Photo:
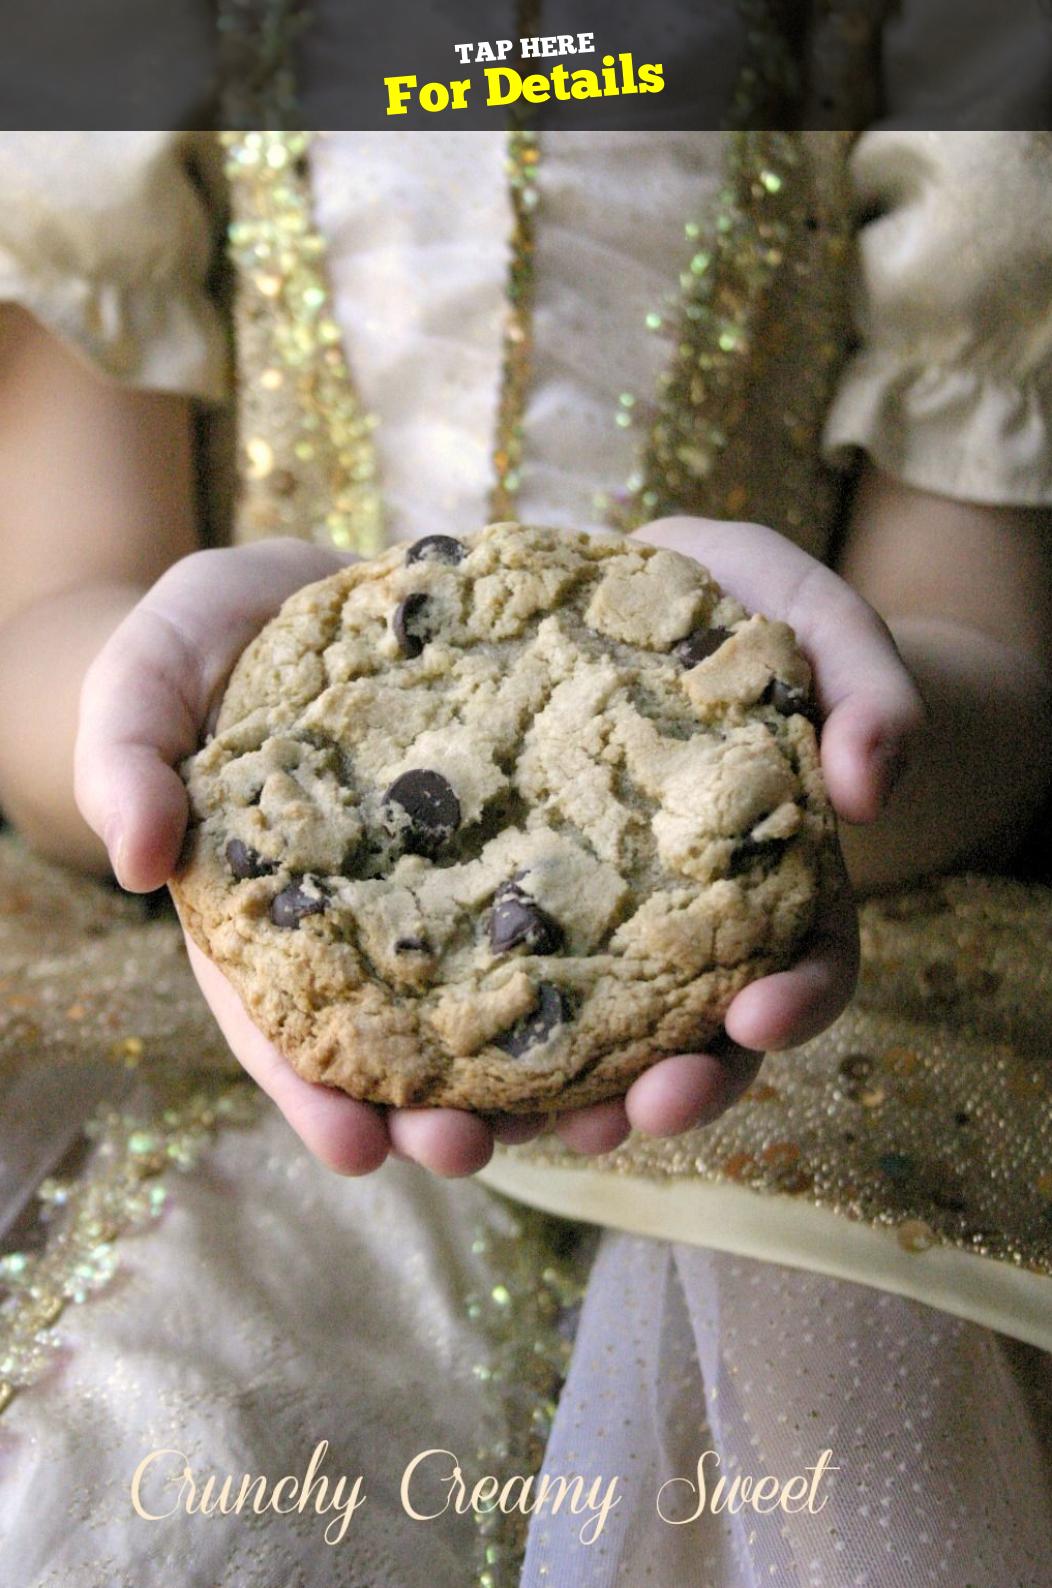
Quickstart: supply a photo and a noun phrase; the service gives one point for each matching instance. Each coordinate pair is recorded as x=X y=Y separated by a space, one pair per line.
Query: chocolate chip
x=429 y=811
x=702 y=643
x=750 y=850
x=410 y=623
x=290 y=906
x=244 y=862
x=437 y=548
x=789 y=702
x=411 y=945
x=516 y=918
x=552 y=1009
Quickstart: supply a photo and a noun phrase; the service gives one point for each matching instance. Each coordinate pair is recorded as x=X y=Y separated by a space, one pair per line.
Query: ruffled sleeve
x=950 y=389
x=108 y=238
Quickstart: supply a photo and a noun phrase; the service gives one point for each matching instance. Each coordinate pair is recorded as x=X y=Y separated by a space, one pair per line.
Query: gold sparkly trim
x=522 y=166
x=120 y=1190
x=703 y=392
x=306 y=461
x=527 y=1318
x=765 y=271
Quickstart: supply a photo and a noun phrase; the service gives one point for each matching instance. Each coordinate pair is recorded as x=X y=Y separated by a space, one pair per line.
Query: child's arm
x=967 y=593
x=96 y=501
x=948 y=393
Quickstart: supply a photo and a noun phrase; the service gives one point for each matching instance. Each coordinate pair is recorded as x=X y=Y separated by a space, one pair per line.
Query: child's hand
x=872 y=711
x=146 y=702
x=148 y=697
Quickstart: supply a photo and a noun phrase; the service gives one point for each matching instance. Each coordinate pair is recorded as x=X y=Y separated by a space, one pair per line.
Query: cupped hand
x=147 y=701
x=151 y=693
x=872 y=714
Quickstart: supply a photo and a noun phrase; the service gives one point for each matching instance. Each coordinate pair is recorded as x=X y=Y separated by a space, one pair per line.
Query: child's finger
x=792 y=1006
x=448 y=1141
x=512 y=1129
x=145 y=805
x=133 y=724
x=596 y=1129
x=689 y=1089
x=866 y=746
x=872 y=706
x=345 y=1135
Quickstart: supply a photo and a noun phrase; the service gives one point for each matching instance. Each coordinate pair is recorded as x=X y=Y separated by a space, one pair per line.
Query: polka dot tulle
x=939 y=1433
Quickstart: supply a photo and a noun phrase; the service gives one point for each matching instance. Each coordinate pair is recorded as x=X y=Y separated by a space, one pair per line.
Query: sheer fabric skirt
x=939 y=1434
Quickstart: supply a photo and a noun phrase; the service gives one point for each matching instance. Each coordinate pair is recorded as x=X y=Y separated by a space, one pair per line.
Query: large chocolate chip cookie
x=496 y=822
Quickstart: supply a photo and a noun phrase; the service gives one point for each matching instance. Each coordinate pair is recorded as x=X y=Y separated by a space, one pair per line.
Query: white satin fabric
x=274 y=1305
x=952 y=387
x=417 y=226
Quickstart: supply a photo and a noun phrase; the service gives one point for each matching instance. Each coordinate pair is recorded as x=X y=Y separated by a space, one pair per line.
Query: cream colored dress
x=757 y=1310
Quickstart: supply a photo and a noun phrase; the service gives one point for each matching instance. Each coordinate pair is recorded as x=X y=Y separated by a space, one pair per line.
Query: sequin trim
x=522 y=168
x=780 y=232
x=307 y=464
x=120 y=1191
x=528 y=1318
x=715 y=326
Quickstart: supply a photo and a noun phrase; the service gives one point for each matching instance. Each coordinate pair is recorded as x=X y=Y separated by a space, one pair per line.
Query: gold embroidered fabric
x=763 y=292
x=924 y=1111
x=305 y=457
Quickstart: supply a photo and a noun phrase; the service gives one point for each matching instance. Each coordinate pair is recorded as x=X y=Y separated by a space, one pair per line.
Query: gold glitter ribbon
x=90 y=984
x=307 y=465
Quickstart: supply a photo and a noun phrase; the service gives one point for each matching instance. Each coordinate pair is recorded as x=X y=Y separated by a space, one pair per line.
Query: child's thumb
x=132 y=727
x=137 y=804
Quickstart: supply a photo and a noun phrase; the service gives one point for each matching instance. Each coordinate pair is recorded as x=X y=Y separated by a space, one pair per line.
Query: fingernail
x=114 y=841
